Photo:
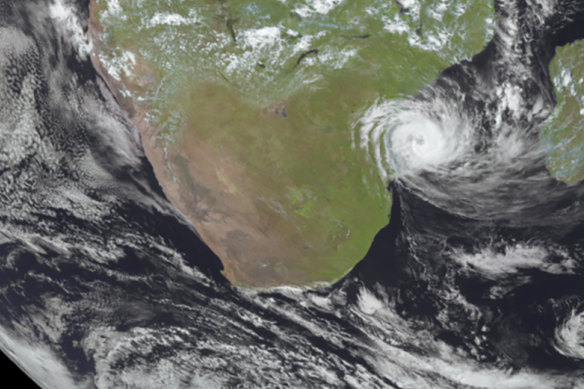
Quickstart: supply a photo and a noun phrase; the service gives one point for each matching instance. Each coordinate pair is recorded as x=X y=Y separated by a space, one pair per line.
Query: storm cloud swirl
x=477 y=281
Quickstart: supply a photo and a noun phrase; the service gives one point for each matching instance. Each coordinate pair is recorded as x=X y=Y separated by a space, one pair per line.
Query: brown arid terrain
x=245 y=234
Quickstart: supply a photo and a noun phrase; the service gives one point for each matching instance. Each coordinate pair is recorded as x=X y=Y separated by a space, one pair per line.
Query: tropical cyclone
x=104 y=284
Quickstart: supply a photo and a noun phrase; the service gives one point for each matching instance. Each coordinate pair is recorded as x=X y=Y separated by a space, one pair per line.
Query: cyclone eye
x=418 y=142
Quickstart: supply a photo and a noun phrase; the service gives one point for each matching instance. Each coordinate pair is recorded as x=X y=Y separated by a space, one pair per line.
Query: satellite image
x=292 y=193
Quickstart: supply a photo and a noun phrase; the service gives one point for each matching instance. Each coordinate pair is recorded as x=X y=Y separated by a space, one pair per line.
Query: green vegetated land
x=280 y=86
x=563 y=136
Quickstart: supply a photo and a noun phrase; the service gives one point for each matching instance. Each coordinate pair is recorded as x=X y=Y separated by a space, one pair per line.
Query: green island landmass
x=562 y=136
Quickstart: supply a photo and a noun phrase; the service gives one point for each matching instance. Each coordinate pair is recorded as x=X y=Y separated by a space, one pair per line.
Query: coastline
x=148 y=136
